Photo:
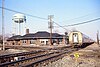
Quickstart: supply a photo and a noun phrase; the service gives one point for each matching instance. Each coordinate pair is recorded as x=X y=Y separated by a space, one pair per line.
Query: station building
x=39 y=38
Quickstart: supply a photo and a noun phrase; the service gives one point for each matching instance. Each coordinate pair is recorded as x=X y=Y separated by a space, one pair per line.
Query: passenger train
x=77 y=38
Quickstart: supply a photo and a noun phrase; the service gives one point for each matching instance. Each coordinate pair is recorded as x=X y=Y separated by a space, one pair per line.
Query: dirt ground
x=11 y=51
x=87 y=57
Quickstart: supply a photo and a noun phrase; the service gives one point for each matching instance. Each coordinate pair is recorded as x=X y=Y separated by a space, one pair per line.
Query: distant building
x=39 y=38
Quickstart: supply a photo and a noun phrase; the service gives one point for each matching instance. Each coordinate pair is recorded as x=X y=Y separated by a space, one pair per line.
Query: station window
x=32 y=42
x=24 y=41
x=42 y=41
x=13 y=43
x=60 y=40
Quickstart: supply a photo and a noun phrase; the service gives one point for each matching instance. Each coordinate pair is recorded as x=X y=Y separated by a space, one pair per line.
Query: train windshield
x=75 y=38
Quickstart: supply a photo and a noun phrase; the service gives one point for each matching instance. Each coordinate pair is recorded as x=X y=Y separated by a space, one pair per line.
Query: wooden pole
x=51 y=27
x=98 y=37
x=3 y=32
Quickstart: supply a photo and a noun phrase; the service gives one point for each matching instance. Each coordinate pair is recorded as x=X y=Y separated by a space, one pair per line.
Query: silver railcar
x=77 y=38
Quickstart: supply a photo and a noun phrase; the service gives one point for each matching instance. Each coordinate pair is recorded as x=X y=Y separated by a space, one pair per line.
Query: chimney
x=27 y=31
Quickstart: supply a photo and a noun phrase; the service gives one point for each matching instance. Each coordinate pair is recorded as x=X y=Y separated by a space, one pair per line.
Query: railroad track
x=42 y=59
x=20 y=62
x=22 y=47
x=9 y=57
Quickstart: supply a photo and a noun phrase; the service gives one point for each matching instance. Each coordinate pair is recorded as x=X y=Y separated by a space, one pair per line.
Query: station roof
x=16 y=37
x=40 y=34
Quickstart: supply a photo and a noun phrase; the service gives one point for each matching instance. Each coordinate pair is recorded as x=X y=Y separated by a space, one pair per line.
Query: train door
x=75 y=38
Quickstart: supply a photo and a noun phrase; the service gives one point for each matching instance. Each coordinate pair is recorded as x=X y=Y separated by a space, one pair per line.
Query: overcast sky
x=65 y=12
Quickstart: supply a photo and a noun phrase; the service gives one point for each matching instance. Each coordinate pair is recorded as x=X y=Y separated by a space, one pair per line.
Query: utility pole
x=50 y=17
x=98 y=37
x=3 y=32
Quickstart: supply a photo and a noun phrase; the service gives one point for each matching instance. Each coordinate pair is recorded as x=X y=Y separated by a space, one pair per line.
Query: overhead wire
x=76 y=24
x=82 y=16
x=31 y=16
x=82 y=22
x=47 y=19
x=24 y=13
x=60 y=25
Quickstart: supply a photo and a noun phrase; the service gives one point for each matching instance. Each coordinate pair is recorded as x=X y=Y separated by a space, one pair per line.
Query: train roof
x=82 y=34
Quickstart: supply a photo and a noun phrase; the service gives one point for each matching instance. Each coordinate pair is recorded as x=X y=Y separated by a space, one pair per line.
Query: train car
x=77 y=38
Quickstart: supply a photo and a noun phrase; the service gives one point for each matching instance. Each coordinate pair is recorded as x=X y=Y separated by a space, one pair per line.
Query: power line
x=82 y=16
x=24 y=13
x=60 y=26
x=31 y=16
x=82 y=22
x=47 y=19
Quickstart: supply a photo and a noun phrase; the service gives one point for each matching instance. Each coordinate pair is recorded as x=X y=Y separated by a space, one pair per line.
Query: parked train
x=77 y=38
